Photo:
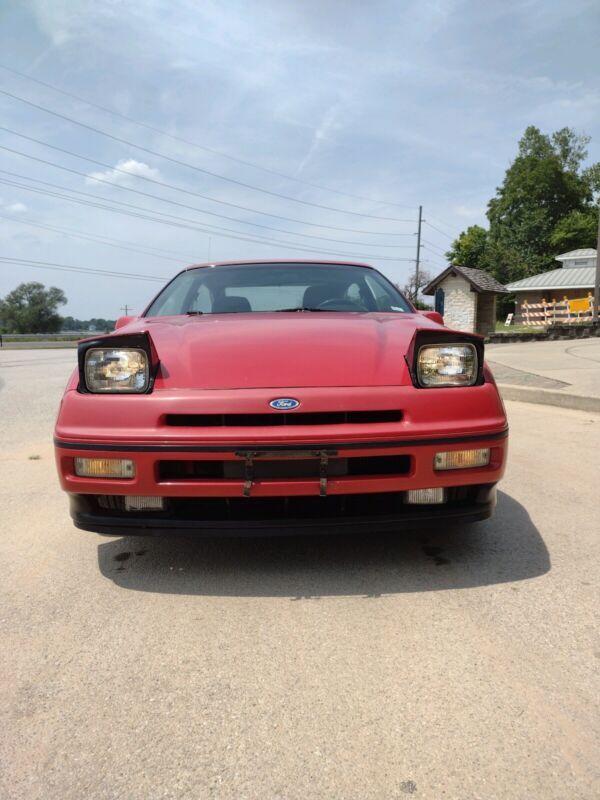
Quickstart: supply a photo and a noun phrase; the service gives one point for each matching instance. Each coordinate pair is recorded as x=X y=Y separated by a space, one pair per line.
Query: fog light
x=144 y=503
x=462 y=459
x=104 y=468
x=429 y=497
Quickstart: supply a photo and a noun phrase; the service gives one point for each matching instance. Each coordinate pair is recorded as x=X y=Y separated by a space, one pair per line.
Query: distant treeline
x=94 y=324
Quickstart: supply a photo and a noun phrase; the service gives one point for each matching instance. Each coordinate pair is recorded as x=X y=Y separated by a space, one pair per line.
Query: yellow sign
x=579 y=305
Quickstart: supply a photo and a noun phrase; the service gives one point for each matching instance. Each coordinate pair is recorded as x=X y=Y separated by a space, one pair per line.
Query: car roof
x=274 y=261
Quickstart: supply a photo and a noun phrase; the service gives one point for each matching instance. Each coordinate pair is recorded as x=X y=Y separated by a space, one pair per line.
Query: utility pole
x=597 y=281
x=125 y=308
x=418 y=261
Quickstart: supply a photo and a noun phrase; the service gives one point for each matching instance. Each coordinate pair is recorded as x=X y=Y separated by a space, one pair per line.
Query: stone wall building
x=466 y=298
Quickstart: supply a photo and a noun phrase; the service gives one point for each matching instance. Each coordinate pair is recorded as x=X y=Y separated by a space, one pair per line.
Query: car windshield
x=230 y=289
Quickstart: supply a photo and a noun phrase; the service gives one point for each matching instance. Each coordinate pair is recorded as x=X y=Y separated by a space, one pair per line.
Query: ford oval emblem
x=284 y=403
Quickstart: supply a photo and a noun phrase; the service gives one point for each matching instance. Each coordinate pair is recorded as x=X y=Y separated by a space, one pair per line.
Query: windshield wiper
x=300 y=308
x=194 y=313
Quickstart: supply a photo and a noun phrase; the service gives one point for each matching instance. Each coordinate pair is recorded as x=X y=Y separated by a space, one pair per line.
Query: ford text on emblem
x=284 y=403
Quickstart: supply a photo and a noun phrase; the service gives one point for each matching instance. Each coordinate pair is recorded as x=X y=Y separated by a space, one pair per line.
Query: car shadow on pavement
x=504 y=549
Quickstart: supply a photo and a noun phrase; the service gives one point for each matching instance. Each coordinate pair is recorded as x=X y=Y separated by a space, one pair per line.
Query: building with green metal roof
x=573 y=280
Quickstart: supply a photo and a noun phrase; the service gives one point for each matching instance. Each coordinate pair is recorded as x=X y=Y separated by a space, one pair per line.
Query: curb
x=551 y=334
x=547 y=397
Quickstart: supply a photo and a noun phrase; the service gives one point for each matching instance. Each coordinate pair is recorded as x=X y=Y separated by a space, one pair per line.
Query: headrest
x=229 y=305
x=319 y=293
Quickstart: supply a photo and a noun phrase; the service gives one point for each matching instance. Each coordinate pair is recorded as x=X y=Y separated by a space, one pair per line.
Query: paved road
x=460 y=664
x=572 y=366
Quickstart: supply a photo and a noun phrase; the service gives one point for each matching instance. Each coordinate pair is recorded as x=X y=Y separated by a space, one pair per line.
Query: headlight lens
x=447 y=365
x=116 y=370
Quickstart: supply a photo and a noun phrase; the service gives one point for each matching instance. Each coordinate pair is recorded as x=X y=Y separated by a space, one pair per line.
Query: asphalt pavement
x=460 y=663
x=564 y=373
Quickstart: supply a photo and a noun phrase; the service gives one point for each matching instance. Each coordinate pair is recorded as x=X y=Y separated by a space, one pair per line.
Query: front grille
x=246 y=509
x=278 y=469
x=276 y=419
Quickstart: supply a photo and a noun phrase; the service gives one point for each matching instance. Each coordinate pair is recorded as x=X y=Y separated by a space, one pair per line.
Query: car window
x=267 y=298
x=386 y=299
x=275 y=287
x=202 y=300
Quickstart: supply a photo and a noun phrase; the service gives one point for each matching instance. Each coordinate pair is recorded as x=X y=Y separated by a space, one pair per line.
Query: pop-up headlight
x=117 y=364
x=445 y=358
x=447 y=365
x=116 y=370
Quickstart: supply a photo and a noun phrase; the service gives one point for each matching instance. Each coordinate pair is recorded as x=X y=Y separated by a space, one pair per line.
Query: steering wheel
x=340 y=304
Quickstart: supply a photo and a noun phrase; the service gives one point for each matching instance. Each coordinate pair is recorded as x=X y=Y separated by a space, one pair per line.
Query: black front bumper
x=351 y=514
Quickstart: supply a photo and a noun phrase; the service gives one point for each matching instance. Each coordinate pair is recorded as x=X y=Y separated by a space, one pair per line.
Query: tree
x=412 y=287
x=73 y=324
x=542 y=185
x=101 y=324
x=94 y=324
x=469 y=250
x=544 y=206
x=31 y=308
x=570 y=147
x=592 y=176
x=577 y=229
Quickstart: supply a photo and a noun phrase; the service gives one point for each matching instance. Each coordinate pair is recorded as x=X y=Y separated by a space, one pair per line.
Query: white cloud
x=122 y=170
x=63 y=21
x=16 y=208
x=328 y=123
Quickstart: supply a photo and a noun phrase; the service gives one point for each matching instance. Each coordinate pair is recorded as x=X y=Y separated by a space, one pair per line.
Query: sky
x=171 y=132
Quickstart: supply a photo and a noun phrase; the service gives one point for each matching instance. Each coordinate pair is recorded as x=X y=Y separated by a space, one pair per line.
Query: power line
x=436 y=259
x=189 y=224
x=195 y=227
x=196 y=145
x=175 y=188
x=87 y=270
x=212 y=227
x=170 y=219
x=440 y=222
x=433 y=247
x=94 y=271
x=452 y=238
x=434 y=263
x=118 y=243
x=193 y=166
x=156 y=197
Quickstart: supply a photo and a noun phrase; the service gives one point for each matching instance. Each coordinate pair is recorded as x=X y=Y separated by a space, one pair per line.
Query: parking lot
x=457 y=663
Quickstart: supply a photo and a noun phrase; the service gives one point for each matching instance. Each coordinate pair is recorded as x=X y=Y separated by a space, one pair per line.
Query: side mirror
x=122 y=321
x=433 y=315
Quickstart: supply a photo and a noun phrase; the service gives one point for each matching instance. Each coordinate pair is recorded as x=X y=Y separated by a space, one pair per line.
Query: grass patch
x=502 y=328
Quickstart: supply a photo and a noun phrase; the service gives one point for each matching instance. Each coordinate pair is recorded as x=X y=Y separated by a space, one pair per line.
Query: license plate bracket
x=249 y=456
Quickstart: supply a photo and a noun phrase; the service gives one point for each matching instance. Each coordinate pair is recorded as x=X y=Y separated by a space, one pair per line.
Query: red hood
x=279 y=350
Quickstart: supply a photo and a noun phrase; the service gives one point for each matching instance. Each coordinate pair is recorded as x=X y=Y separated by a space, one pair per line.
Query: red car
x=280 y=397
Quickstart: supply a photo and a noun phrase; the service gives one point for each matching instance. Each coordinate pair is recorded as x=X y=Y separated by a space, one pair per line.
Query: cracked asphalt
x=461 y=663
